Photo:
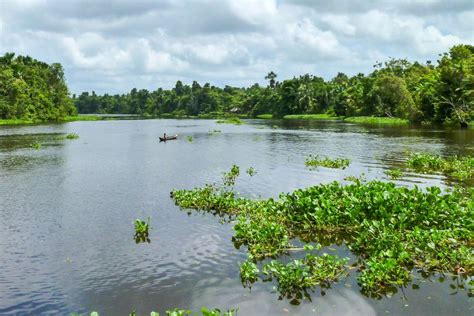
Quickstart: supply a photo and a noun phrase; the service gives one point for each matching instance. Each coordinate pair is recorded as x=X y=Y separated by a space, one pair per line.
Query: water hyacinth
x=390 y=229
x=337 y=163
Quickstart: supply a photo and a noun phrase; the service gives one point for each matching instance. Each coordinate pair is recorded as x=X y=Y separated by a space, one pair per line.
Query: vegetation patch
x=142 y=230
x=183 y=312
x=337 y=163
x=311 y=117
x=231 y=120
x=394 y=174
x=373 y=120
x=190 y=139
x=391 y=230
x=265 y=116
x=36 y=145
x=460 y=168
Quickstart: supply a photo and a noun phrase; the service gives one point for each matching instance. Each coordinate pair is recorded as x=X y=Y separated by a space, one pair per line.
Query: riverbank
x=63 y=120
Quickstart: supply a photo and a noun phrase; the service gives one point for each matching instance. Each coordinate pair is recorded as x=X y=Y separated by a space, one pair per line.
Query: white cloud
x=113 y=46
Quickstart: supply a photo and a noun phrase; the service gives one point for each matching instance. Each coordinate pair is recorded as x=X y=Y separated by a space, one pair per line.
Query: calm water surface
x=66 y=213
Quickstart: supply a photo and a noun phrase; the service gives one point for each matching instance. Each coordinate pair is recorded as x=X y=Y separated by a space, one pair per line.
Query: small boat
x=163 y=139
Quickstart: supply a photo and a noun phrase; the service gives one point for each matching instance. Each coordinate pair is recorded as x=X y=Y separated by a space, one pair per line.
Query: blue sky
x=115 y=45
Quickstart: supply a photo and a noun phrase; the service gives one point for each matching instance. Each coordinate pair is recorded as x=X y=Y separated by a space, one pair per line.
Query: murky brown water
x=66 y=213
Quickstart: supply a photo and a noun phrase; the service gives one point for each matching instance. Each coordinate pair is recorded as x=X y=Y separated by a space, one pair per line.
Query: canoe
x=162 y=139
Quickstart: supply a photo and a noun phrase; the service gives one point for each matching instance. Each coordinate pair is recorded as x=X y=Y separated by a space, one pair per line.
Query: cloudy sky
x=115 y=45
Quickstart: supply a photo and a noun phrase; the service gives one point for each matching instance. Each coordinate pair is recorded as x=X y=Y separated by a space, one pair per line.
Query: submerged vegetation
x=141 y=230
x=337 y=163
x=391 y=230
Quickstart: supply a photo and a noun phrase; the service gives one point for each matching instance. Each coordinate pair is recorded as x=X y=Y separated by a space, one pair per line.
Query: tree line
x=441 y=92
x=33 y=90
x=396 y=88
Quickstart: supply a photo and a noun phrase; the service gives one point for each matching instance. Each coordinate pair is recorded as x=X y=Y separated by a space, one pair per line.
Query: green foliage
x=141 y=230
x=36 y=145
x=265 y=116
x=32 y=91
x=311 y=117
x=231 y=120
x=461 y=168
x=248 y=273
x=337 y=163
x=190 y=139
x=183 y=312
x=390 y=230
x=230 y=177
x=298 y=276
x=394 y=173
x=72 y=136
x=251 y=171
x=377 y=120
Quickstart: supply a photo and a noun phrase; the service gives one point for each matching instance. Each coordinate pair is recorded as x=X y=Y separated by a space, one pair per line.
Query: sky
x=115 y=45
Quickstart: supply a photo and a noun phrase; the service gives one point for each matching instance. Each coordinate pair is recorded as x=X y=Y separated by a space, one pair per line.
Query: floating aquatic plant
x=251 y=171
x=190 y=139
x=390 y=230
x=231 y=120
x=394 y=173
x=230 y=177
x=461 y=168
x=337 y=163
x=142 y=230
x=36 y=145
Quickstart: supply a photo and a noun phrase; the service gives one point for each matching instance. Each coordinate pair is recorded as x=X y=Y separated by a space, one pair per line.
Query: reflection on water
x=67 y=213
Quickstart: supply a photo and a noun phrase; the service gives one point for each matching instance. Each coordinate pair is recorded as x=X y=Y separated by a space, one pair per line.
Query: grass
x=265 y=116
x=62 y=120
x=376 y=120
x=391 y=231
x=231 y=120
x=337 y=163
x=311 y=117
x=17 y=122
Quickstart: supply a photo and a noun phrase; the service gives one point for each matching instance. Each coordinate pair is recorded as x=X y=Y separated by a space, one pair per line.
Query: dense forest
x=397 y=88
x=33 y=90
x=441 y=93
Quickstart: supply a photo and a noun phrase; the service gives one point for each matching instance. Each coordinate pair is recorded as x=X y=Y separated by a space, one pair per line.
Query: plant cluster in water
x=251 y=171
x=461 y=168
x=391 y=231
x=394 y=174
x=337 y=163
x=68 y=136
x=190 y=139
x=36 y=145
x=184 y=312
x=141 y=230
x=231 y=120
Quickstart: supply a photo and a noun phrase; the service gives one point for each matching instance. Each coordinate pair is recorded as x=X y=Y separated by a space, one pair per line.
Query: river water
x=67 y=212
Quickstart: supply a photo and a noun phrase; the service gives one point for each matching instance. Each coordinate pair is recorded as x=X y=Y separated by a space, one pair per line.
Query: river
x=67 y=212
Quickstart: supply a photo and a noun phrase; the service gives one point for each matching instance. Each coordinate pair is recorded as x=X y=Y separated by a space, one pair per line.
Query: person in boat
x=164 y=136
